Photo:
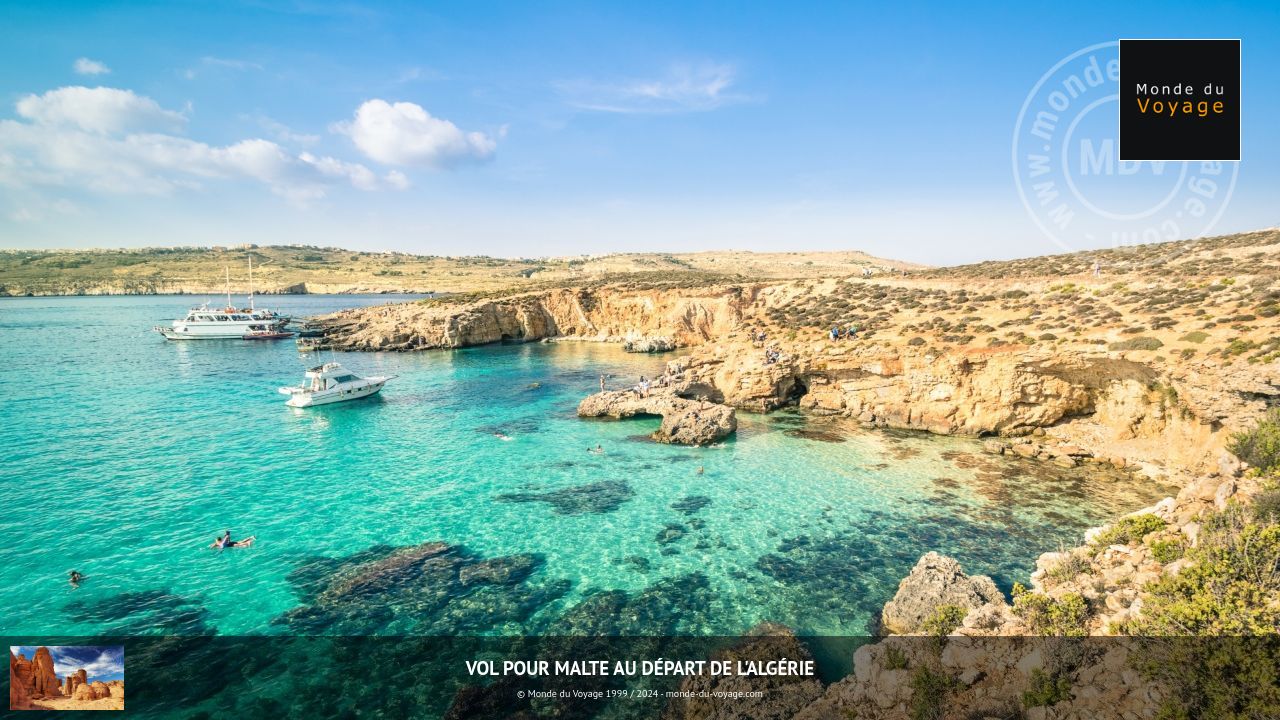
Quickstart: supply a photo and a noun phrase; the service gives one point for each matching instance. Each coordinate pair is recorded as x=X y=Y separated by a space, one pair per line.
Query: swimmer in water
x=75 y=578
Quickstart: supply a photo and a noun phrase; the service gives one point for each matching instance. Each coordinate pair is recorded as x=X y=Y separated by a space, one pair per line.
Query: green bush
x=1260 y=447
x=1266 y=506
x=894 y=659
x=1195 y=336
x=1068 y=568
x=1045 y=689
x=929 y=693
x=1138 y=343
x=1227 y=592
x=1065 y=616
x=1230 y=584
x=1166 y=551
x=1129 y=530
x=944 y=620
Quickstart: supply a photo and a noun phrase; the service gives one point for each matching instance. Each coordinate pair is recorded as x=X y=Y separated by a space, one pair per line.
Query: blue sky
x=523 y=129
x=100 y=662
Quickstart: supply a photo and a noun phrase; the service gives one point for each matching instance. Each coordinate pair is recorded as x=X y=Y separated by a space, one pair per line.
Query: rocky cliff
x=680 y=316
x=1078 y=404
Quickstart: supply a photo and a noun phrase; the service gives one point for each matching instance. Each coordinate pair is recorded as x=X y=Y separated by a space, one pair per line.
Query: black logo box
x=1187 y=68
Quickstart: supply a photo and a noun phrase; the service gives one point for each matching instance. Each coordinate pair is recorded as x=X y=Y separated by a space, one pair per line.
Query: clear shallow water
x=126 y=454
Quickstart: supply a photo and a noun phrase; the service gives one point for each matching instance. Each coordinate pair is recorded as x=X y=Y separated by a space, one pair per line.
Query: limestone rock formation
x=936 y=580
x=684 y=421
x=44 y=681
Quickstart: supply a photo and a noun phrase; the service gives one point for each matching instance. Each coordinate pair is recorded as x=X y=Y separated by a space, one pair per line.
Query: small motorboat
x=268 y=335
x=307 y=332
x=331 y=383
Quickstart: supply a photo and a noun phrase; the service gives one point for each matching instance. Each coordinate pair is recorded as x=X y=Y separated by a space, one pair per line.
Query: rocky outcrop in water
x=936 y=580
x=649 y=345
x=684 y=422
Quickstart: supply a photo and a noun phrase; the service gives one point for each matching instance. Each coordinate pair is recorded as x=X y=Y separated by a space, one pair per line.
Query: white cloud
x=85 y=66
x=99 y=110
x=684 y=88
x=106 y=140
x=397 y=180
x=405 y=134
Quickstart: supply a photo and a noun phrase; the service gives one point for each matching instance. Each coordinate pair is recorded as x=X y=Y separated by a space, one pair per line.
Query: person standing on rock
x=602 y=383
x=644 y=386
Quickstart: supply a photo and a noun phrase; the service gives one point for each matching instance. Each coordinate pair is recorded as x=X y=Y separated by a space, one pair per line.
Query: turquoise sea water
x=124 y=455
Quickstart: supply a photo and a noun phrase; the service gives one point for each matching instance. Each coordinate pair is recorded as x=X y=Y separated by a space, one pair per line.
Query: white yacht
x=205 y=323
x=331 y=383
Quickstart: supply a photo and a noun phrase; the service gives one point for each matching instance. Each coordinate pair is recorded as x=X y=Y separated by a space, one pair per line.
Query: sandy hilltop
x=1159 y=359
x=33 y=685
x=298 y=269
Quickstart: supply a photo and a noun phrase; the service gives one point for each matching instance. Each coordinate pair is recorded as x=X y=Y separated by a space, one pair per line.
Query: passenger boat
x=205 y=323
x=265 y=334
x=331 y=383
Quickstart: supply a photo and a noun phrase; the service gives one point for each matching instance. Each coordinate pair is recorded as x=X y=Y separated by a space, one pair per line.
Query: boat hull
x=328 y=397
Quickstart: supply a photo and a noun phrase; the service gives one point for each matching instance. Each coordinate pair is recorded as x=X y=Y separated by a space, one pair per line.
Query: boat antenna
x=251 y=282
x=228 y=269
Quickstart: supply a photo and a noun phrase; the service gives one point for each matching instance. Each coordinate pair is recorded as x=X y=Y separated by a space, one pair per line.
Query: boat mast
x=228 y=269
x=250 y=282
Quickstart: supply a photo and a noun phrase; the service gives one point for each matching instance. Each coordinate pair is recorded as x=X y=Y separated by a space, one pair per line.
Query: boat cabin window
x=223 y=318
x=345 y=378
x=241 y=317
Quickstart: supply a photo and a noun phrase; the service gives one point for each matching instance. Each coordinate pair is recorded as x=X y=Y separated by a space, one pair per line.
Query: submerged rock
x=690 y=505
x=432 y=588
x=595 y=498
x=936 y=580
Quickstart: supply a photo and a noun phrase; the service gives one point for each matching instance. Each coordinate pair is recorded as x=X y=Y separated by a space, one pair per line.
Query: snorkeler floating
x=224 y=542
